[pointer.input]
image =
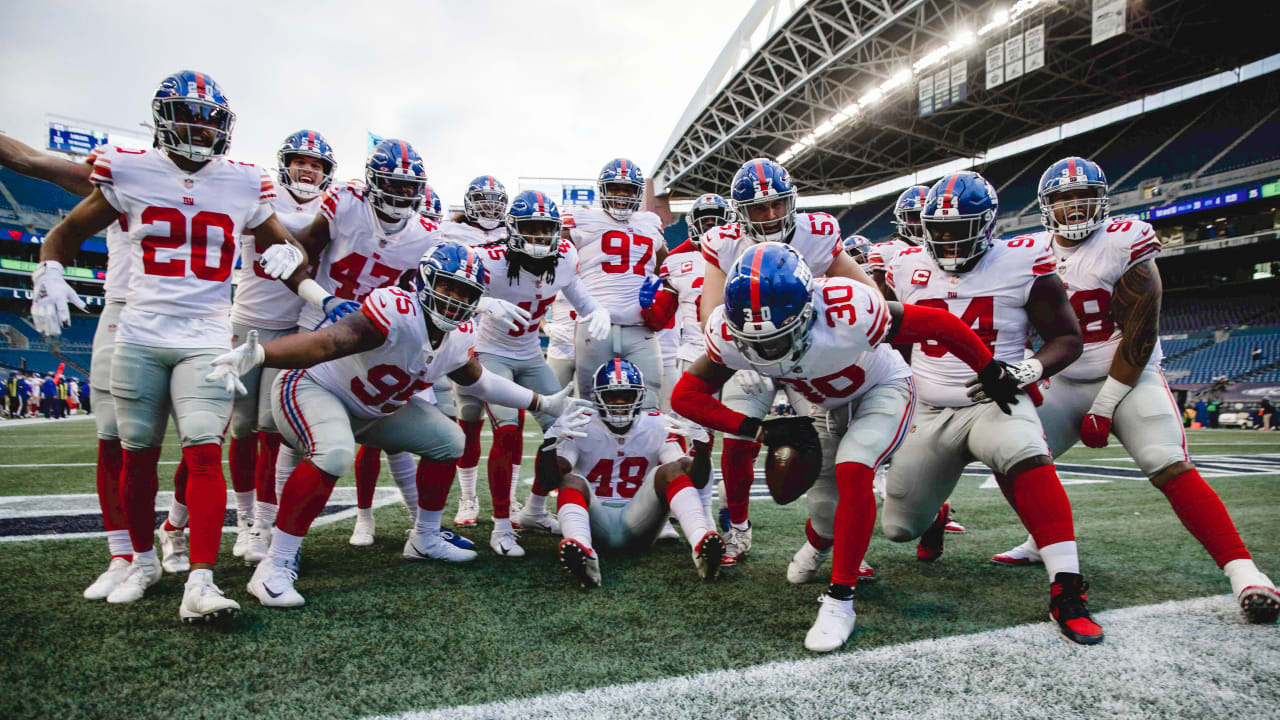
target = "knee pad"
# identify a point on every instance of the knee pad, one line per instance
(244, 418)
(201, 427)
(335, 460)
(452, 443)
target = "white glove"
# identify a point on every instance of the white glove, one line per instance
(598, 323)
(280, 260)
(50, 295)
(753, 383)
(688, 429)
(572, 423)
(229, 366)
(561, 403)
(508, 316)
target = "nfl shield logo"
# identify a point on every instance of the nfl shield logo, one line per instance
(188, 183)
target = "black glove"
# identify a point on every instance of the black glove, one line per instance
(994, 382)
(791, 430)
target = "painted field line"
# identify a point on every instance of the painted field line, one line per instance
(1193, 658)
(40, 421)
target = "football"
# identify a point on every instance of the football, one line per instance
(789, 474)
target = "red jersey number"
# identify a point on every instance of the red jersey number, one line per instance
(1093, 310)
(617, 244)
(840, 384)
(838, 299)
(198, 236)
(631, 473)
(347, 271)
(536, 311)
(979, 315)
(386, 387)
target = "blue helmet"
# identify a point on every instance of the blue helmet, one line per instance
(395, 179)
(432, 207)
(450, 282)
(305, 143)
(622, 383)
(192, 117)
(857, 247)
(759, 184)
(1077, 217)
(768, 303)
(708, 211)
(959, 217)
(906, 213)
(621, 186)
(533, 225)
(485, 202)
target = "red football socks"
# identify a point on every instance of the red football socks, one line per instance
(138, 486)
(264, 471)
(303, 498)
(242, 458)
(207, 491)
(1205, 517)
(368, 465)
(854, 522)
(110, 462)
(817, 541)
(435, 478)
(737, 465)
(471, 451)
(1043, 506)
(506, 446)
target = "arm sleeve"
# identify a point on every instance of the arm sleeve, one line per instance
(579, 298)
(694, 398)
(924, 323)
(498, 390)
(662, 313)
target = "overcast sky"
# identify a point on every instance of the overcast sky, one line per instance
(504, 88)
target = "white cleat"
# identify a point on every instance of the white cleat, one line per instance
(202, 601)
(1254, 591)
(581, 562)
(504, 542)
(833, 626)
(805, 564)
(527, 520)
(362, 535)
(272, 584)
(259, 543)
(468, 512)
(141, 576)
(668, 532)
(707, 555)
(737, 543)
(117, 571)
(173, 550)
(514, 514)
(242, 537)
(1025, 554)
(430, 546)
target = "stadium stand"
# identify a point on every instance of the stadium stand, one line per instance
(1231, 358)
(1192, 314)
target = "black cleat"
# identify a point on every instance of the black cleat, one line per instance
(580, 562)
(1069, 607)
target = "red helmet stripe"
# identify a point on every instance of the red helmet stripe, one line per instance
(755, 282)
(311, 140)
(946, 194)
(617, 370)
(622, 172)
(764, 183)
(200, 85)
(1071, 167)
(924, 194)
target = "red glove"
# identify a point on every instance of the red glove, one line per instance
(1094, 430)
(1033, 391)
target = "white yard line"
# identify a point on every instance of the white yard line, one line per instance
(1193, 658)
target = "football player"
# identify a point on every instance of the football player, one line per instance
(1003, 288)
(626, 473)
(764, 200)
(906, 213)
(74, 178)
(528, 269)
(561, 328)
(1108, 267)
(830, 341)
(858, 247)
(306, 166)
(187, 204)
(356, 381)
(432, 206)
(619, 247)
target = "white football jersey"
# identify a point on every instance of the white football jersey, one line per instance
(684, 269)
(846, 357)
(816, 238)
(116, 286)
(991, 298)
(615, 465)
(562, 323)
(528, 292)
(884, 253)
(669, 342)
(378, 382)
(468, 234)
(1090, 272)
(615, 257)
(260, 300)
(179, 292)
(361, 257)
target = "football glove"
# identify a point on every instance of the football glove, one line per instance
(280, 260)
(687, 429)
(753, 383)
(648, 291)
(598, 323)
(50, 295)
(335, 308)
(507, 315)
(561, 402)
(230, 366)
(572, 423)
(1096, 425)
(792, 430)
(1001, 382)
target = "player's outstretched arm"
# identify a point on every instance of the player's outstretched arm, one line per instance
(1051, 315)
(26, 160)
(694, 398)
(91, 216)
(495, 389)
(290, 266)
(910, 324)
(353, 334)
(844, 266)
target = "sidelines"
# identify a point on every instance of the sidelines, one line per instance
(1191, 658)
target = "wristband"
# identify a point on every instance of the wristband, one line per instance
(1112, 392)
(311, 291)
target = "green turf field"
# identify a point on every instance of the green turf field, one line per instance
(382, 635)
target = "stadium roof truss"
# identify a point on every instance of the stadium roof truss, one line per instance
(816, 78)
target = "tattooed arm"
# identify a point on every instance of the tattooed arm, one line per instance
(1135, 307)
(352, 334)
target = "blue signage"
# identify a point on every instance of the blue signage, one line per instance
(74, 140)
(1202, 203)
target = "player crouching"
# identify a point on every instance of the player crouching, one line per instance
(623, 472)
(357, 381)
(829, 340)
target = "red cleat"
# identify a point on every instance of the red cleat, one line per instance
(865, 573)
(930, 547)
(1069, 607)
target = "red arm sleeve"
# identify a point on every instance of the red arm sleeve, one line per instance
(694, 398)
(923, 323)
(662, 313)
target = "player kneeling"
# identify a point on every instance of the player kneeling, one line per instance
(829, 340)
(357, 381)
(623, 471)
